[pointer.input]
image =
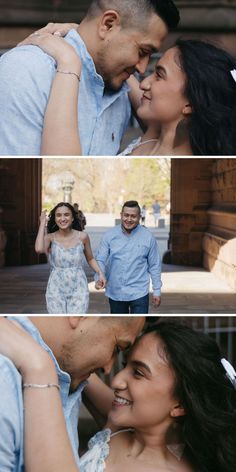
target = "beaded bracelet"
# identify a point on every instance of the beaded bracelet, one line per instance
(69, 72)
(49, 385)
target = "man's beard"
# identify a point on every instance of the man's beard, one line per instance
(110, 87)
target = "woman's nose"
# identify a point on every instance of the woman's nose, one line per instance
(146, 83)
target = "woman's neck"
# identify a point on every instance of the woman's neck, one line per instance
(150, 448)
(65, 233)
(165, 141)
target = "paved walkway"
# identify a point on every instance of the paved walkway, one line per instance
(186, 290)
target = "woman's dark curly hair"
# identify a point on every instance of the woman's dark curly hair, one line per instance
(205, 392)
(52, 226)
(211, 91)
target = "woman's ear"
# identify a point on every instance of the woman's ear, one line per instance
(109, 20)
(187, 110)
(177, 410)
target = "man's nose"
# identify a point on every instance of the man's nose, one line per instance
(108, 366)
(141, 66)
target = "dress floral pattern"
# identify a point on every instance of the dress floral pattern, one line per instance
(98, 450)
(67, 289)
(130, 148)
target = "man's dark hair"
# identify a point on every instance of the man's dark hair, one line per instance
(131, 204)
(134, 13)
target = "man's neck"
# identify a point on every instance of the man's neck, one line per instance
(87, 32)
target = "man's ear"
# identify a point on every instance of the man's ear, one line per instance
(177, 410)
(75, 321)
(110, 20)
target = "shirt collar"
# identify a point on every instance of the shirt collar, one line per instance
(75, 39)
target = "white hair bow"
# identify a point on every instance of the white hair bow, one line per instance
(233, 73)
(230, 372)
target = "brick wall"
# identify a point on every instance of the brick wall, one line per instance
(219, 241)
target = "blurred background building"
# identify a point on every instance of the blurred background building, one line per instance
(212, 19)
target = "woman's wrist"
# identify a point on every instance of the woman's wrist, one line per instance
(71, 65)
(40, 370)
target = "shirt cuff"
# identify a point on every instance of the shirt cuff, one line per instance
(157, 293)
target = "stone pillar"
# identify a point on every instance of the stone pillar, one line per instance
(219, 242)
(190, 200)
(20, 198)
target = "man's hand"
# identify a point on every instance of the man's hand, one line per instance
(99, 285)
(156, 301)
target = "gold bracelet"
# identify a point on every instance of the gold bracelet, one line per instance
(49, 385)
(68, 72)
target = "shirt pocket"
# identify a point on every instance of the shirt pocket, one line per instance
(142, 250)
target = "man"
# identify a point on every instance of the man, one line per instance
(115, 39)
(68, 340)
(156, 212)
(129, 255)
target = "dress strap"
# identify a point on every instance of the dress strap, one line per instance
(129, 430)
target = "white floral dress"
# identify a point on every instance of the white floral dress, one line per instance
(130, 148)
(94, 460)
(67, 289)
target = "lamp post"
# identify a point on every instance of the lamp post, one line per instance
(67, 187)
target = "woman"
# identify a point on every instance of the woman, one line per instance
(65, 243)
(174, 393)
(188, 105)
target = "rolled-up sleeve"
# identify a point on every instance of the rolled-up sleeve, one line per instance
(154, 267)
(103, 255)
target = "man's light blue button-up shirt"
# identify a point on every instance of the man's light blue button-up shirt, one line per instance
(129, 260)
(11, 407)
(26, 75)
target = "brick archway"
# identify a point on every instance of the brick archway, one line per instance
(203, 212)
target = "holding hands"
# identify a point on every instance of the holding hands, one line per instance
(101, 283)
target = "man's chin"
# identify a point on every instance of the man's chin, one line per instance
(114, 85)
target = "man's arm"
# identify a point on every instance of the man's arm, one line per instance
(46, 441)
(11, 416)
(154, 267)
(26, 74)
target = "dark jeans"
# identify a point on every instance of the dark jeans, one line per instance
(134, 306)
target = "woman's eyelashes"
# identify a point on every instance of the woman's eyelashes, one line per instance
(135, 372)
(158, 74)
